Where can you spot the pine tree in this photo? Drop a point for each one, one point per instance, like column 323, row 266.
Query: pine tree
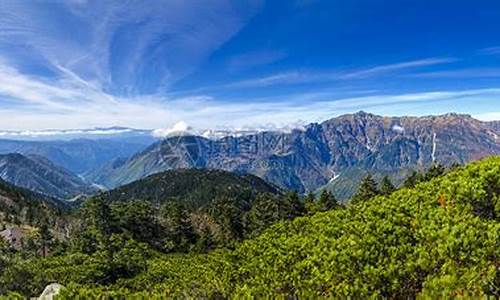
column 96, row 227
column 228, row 216
column 45, row 237
column 436, row 170
column 309, row 203
column 97, row 216
column 205, row 242
column 326, row 201
column 180, row 231
column 30, row 215
column 412, row 180
column 386, row 186
column 137, row 219
column 367, row 190
column 266, row 210
column 296, row 206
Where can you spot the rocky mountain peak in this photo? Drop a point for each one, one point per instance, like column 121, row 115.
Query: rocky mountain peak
column 306, row 160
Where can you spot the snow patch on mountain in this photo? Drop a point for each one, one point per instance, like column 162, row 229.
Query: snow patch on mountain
column 398, row 128
column 434, row 146
column 335, row 177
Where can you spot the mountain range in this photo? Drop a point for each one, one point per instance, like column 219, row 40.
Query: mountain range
column 40, row 175
column 334, row 154
column 78, row 155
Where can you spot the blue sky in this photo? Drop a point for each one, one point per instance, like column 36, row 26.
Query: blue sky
column 253, row 63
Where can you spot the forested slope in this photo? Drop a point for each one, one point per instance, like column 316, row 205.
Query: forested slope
column 440, row 238
column 21, row 206
column 194, row 187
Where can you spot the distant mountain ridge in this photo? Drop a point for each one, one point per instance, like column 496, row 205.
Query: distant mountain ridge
column 79, row 156
column 324, row 153
column 40, row 175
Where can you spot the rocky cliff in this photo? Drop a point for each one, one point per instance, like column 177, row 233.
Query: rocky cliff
column 339, row 149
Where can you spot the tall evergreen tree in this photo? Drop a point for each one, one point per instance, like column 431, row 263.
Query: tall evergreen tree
column 266, row 210
column 96, row 228
column 45, row 237
column 309, row 203
column 296, row 206
column 228, row 215
column 367, row 190
column 326, row 201
column 412, row 180
column 205, row 241
column 179, row 228
column 436, row 170
column 386, row 186
column 137, row 219
column 97, row 216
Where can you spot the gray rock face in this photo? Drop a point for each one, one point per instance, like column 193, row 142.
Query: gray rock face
column 495, row 125
column 14, row 236
column 305, row 160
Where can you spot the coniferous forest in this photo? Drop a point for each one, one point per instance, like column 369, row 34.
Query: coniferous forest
column 437, row 235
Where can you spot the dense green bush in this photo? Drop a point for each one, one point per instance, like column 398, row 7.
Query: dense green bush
column 443, row 237
column 440, row 238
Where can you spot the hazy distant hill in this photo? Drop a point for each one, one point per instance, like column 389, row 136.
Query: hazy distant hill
column 194, row 187
column 337, row 150
column 79, row 156
column 39, row 174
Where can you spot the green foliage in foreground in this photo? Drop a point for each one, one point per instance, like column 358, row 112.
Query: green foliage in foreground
column 441, row 238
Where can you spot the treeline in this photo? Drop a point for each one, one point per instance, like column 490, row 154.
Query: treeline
column 175, row 227
column 437, row 235
column 19, row 206
column 369, row 188
column 111, row 241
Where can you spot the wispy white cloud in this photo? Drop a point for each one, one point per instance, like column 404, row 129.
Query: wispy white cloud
column 126, row 47
column 298, row 77
column 68, row 102
column 68, row 132
column 490, row 51
column 489, row 116
column 291, row 77
column 460, row 73
column 107, row 63
column 45, row 105
column 74, row 64
column 397, row 67
column 254, row 58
